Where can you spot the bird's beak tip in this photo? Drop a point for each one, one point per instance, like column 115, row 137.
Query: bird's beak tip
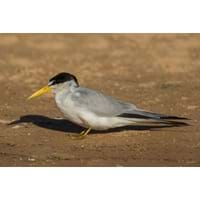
column 40, row 92
column 29, row 98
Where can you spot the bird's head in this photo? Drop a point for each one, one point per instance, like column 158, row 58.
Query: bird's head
column 59, row 82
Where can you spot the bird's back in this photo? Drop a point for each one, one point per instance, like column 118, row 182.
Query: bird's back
column 98, row 103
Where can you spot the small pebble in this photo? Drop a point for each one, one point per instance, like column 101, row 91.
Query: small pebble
column 2, row 121
column 16, row 127
column 184, row 98
column 192, row 107
column 31, row 159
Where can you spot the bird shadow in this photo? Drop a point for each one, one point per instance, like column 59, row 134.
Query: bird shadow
column 68, row 127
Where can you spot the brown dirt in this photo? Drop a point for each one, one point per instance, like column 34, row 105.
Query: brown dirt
column 157, row 72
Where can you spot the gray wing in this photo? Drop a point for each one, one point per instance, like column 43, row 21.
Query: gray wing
column 104, row 105
column 99, row 103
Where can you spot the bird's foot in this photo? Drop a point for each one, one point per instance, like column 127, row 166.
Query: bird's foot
column 82, row 135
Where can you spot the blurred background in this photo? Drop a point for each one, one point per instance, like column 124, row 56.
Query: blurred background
column 157, row 72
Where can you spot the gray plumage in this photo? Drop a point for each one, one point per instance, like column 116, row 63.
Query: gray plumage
column 93, row 109
column 104, row 105
column 99, row 103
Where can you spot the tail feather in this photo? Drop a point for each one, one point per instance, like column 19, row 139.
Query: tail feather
column 140, row 114
column 161, row 116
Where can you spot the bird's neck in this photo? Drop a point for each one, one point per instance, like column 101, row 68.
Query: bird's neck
column 64, row 91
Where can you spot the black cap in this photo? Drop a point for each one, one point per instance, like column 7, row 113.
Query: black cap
column 63, row 77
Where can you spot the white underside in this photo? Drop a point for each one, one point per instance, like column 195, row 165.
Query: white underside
column 88, row 119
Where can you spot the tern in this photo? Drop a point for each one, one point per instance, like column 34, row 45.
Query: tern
column 94, row 110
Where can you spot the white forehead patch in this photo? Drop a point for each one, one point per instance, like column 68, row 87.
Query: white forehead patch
column 50, row 83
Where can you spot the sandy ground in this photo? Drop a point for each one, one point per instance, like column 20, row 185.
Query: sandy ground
column 160, row 73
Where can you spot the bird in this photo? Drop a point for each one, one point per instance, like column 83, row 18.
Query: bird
column 94, row 110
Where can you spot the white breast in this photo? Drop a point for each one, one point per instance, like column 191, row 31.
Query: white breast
column 67, row 107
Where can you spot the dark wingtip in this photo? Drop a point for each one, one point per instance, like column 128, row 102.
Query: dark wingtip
column 174, row 118
column 176, row 123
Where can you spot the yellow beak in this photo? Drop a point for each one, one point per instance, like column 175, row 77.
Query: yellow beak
column 40, row 92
